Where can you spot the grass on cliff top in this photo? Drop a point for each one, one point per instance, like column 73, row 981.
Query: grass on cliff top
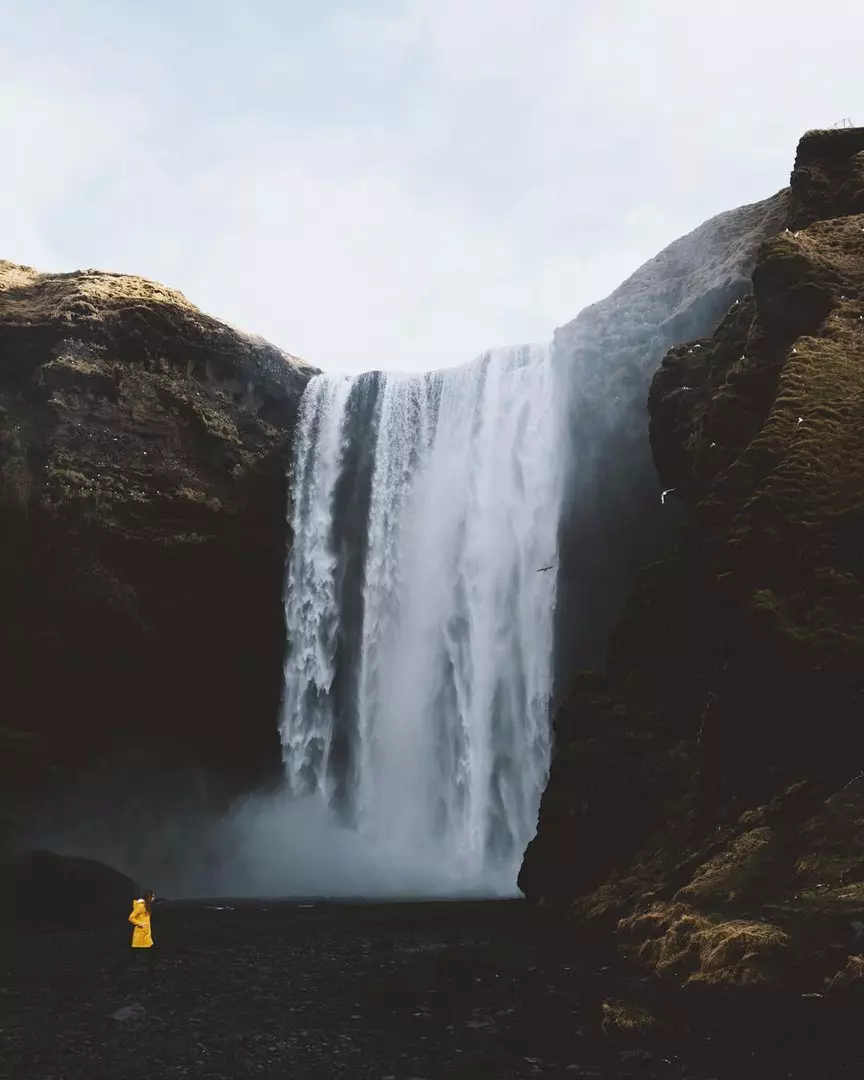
column 28, row 296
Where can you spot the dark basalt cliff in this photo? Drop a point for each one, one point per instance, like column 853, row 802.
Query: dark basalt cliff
column 706, row 793
column 143, row 448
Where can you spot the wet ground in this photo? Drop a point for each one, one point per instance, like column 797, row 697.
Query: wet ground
column 462, row 990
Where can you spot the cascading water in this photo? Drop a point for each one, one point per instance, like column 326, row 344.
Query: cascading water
column 442, row 720
column 311, row 610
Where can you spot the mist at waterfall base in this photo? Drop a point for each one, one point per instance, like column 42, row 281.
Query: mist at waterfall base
column 265, row 846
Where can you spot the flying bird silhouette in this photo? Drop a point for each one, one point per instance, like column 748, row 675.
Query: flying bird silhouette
column 543, row 569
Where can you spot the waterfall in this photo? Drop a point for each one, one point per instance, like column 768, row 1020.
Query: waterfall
column 446, row 663
column 311, row 610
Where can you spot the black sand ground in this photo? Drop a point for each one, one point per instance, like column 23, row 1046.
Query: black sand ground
column 461, row 990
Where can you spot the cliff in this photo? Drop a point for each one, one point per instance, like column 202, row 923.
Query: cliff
column 143, row 448
column 613, row 520
column 705, row 800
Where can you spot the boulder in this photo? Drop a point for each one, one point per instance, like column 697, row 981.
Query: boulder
column 44, row 891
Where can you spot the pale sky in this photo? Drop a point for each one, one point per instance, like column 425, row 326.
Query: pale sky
column 401, row 183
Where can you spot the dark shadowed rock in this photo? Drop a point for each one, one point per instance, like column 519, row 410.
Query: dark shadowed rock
column 828, row 178
column 41, row 890
column 143, row 448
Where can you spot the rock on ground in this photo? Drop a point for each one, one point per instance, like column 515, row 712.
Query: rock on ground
column 39, row 889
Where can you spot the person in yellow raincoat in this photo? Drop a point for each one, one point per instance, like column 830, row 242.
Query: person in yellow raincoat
column 142, row 935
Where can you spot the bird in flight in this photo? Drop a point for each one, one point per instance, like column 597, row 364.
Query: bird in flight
column 543, row 569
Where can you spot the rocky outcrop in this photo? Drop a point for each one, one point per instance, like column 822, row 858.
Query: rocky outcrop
column 143, row 450
column 706, row 791
column 43, row 891
column 614, row 521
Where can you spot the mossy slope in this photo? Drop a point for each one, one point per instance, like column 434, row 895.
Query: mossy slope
column 704, row 794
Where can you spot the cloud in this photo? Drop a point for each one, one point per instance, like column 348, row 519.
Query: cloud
column 400, row 184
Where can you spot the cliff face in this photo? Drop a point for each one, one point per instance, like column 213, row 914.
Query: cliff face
column 143, row 448
column 706, row 790
column 614, row 521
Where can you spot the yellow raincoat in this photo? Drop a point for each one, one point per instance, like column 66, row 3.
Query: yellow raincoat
column 140, row 919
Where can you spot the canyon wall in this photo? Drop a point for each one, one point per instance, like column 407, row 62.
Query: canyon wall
column 143, row 456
